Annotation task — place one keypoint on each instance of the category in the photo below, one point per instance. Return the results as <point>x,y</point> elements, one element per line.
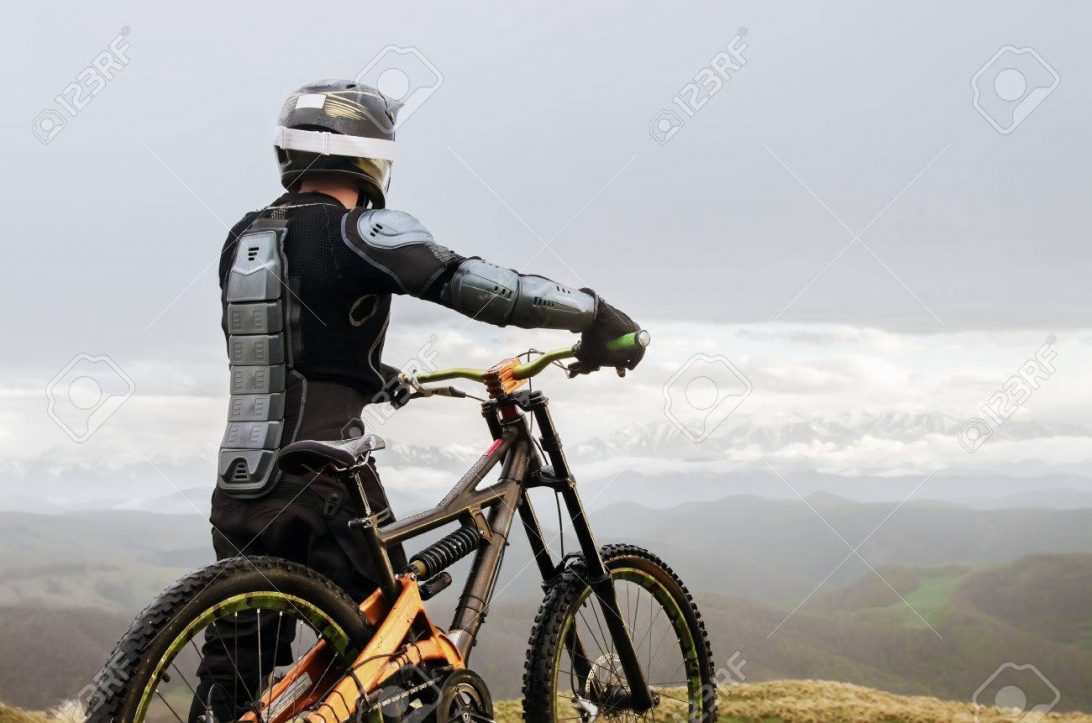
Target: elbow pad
<point>501,296</point>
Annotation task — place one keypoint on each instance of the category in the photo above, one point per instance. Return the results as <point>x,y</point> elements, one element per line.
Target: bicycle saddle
<point>309,456</point>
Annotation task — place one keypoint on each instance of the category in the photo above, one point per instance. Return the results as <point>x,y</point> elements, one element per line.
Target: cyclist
<point>306,286</point>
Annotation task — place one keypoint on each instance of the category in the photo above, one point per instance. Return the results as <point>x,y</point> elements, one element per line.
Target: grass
<point>786,701</point>
<point>823,702</point>
<point>10,714</point>
<point>17,715</point>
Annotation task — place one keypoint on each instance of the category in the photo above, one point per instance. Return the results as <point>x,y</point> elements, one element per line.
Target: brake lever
<point>573,374</point>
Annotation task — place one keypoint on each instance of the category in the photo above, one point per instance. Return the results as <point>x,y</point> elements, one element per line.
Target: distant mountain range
<point>638,463</point>
<point>768,550</point>
<point>664,440</point>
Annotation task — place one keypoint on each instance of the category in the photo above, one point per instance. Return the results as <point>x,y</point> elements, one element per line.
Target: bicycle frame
<point>396,607</point>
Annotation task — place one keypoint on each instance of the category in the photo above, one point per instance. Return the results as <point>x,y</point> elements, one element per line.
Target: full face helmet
<point>338,127</point>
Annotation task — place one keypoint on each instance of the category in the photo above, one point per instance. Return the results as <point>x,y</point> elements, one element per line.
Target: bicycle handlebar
<point>529,369</point>
<point>633,340</point>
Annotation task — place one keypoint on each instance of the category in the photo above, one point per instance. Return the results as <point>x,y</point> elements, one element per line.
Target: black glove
<point>609,324</point>
<point>395,390</point>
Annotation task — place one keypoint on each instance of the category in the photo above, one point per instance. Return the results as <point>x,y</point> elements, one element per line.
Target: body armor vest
<point>258,353</point>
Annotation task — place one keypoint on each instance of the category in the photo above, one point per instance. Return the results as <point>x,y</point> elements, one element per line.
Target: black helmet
<point>338,127</point>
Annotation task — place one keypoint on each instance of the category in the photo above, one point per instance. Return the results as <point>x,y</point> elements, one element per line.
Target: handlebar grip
<point>630,341</point>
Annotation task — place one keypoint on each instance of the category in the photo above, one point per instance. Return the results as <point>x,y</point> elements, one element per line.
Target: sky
<point>835,228</point>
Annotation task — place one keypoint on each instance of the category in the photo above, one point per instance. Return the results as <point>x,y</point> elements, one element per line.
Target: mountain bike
<point>617,636</point>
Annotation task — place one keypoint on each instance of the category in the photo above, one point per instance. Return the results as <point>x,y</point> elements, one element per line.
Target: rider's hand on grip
<point>593,352</point>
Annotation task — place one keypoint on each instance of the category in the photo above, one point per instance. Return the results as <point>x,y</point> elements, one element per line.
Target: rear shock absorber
<point>445,552</point>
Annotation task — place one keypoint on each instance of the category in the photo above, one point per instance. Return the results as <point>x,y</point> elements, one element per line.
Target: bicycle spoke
<point>175,714</point>
<point>183,677</point>
<point>651,624</point>
<point>651,628</point>
<point>574,645</point>
<point>673,697</point>
<point>591,632</point>
<point>627,600</point>
<point>660,642</point>
<point>238,675</point>
<point>606,636</point>
<point>258,628</point>
<point>273,665</point>
<point>235,687</point>
<point>296,641</point>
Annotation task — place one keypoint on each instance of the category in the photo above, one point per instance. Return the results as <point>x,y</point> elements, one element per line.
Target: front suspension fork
<point>599,578</point>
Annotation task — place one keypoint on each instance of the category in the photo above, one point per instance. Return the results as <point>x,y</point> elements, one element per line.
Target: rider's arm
<point>396,244</point>
<point>410,262</point>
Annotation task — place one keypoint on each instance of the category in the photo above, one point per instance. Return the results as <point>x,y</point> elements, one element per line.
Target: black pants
<point>301,520</point>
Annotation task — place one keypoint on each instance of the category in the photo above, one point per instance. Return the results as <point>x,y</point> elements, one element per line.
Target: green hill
<point>979,578</point>
<point>865,634</point>
<point>1047,595</point>
<point>49,654</point>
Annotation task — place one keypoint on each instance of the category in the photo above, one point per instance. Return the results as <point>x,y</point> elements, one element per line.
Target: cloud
<point>827,398</point>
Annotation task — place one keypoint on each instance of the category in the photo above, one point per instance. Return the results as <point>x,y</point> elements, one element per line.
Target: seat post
<point>360,487</point>
<point>373,540</point>
<point>377,551</point>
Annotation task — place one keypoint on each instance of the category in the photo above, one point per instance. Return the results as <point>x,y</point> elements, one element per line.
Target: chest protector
<point>256,302</point>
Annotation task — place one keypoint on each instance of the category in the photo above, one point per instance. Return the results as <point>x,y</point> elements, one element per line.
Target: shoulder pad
<point>395,243</point>
<point>387,228</point>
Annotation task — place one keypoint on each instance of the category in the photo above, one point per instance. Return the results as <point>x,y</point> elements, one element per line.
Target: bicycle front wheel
<point>573,672</point>
<point>213,645</point>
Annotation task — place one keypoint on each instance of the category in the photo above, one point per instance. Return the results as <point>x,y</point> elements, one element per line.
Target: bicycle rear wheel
<point>572,670</point>
<point>281,608</point>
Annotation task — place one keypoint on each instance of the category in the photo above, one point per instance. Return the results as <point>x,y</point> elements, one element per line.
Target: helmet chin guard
<point>341,128</point>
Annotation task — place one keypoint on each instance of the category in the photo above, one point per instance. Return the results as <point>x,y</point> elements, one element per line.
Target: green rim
<point>323,625</point>
<point>678,623</point>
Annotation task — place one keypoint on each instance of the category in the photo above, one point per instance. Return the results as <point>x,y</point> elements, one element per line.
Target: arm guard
<point>398,246</point>
<point>501,296</point>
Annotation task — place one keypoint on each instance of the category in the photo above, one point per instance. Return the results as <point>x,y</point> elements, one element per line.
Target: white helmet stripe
<point>333,144</point>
